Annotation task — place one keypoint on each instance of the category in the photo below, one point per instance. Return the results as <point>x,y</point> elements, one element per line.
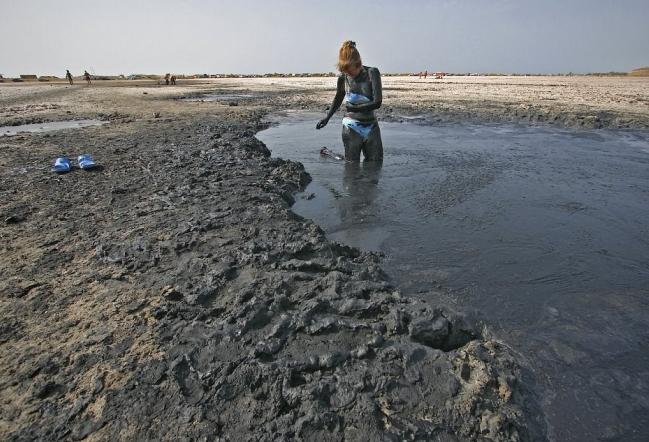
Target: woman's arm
<point>335,105</point>
<point>377,91</point>
<point>338,99</point>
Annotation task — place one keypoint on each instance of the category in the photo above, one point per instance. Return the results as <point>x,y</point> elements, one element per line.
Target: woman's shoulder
<point>371,70</point>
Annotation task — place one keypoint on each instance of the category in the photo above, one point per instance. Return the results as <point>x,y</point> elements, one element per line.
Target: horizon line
<point>331,73</point>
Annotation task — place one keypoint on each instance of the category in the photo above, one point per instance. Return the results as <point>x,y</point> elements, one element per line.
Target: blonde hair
<point>348,56</point>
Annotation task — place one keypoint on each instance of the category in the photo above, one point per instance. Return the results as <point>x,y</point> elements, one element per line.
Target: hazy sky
<point>256,36</point>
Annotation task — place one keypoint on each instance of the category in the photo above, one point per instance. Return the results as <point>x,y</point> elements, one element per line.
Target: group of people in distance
<point>170,79</point>
<point>438,75</point>
<point>86,76</point>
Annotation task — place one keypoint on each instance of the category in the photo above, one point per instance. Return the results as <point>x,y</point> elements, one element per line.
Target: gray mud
<point>174,295</point>
<point>539,232</point>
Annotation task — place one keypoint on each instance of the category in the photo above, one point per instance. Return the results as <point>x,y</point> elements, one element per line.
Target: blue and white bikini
<point>361,128</point>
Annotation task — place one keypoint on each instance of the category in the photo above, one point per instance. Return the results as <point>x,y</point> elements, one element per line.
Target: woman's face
<point>353,71</point>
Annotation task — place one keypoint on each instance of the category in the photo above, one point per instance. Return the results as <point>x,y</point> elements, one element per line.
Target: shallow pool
<point>542,233</point>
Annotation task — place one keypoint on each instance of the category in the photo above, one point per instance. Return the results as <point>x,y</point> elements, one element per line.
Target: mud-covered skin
<point>173,295</point>
<point>371,147</point>
<point>368,84</point>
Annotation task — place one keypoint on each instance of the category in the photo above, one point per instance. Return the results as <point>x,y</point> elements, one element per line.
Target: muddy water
<point>542,233</point>
<point>46,127</point>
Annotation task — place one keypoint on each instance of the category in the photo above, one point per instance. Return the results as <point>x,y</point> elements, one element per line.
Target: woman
<point>360,87</point>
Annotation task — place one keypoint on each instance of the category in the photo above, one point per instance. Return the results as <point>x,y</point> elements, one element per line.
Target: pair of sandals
<point>63,164</point>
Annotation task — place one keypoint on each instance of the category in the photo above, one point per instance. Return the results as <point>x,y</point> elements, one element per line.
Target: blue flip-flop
<point>62,165</point>
<point>86,162</point>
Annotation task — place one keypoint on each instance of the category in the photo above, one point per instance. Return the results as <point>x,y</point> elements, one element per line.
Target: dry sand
<point>579,101</point>
<point>616,101</point>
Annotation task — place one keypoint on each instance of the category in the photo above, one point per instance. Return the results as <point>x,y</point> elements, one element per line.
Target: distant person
<point>167,79</point>
<point>425,74</point>
<point>173,80</point>
<point>68,75</point>
<point>360,87</point>
<point>86,76</point>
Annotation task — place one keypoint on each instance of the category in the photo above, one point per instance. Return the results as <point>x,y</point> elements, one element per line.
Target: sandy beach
<point>578,101</point>
<point>173,295</point>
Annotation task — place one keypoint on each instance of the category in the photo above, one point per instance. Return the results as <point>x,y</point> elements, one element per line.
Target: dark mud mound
<point>194,305</point>
<point>318,349</point>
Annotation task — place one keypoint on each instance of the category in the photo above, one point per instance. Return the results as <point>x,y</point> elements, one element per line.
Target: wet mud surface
<point>538,232</point>
<point>174,295</point>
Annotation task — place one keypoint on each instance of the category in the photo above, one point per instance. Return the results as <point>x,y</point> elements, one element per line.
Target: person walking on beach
<point>167,75</point>
<point>68,75</point>
<point>86,77</point>
<point>360,87</point>
<point>173,80</point>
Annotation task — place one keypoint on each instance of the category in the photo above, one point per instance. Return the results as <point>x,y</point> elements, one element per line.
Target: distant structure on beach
<point>438,75</point>
<point>640,72</point>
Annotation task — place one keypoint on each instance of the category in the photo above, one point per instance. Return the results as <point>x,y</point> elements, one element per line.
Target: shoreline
<point>569,102</point>
<point>174,294</point>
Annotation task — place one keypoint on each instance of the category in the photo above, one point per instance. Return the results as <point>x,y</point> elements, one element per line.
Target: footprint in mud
<point>190,387</point>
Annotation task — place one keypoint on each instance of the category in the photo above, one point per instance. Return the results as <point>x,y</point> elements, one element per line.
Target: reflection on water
<point>356,206</point>
<point>542,233</point>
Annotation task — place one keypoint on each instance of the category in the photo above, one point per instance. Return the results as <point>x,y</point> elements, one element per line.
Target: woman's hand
<point>322,123</point>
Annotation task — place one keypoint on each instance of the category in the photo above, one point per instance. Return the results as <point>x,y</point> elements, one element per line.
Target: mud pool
<point>46,127</point>
<point>540,233</point>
